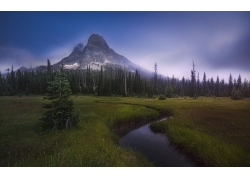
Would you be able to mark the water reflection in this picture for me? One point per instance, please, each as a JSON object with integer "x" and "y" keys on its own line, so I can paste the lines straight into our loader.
{"x": 156, "y": 147}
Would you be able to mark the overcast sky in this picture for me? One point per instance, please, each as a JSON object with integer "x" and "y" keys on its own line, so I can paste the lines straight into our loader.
{"x": 217, "y": 42}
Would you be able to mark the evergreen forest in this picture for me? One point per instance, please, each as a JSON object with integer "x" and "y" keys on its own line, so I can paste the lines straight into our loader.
{"x": 119, "y": 82}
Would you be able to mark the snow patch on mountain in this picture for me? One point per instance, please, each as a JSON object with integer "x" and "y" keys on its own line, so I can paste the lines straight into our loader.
{"x": 95, "y": 66}
{"x": 71, "y": 66}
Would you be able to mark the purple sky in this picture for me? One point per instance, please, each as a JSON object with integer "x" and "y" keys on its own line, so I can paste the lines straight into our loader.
{"x": 217, "y": 42}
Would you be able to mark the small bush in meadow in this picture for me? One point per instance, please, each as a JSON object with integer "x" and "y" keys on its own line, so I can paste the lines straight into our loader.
{"x": 162, "y": 97}
{"x": 236, "y": 95}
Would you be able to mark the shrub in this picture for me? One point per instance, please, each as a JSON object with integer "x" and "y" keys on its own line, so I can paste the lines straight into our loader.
{"x": 236, "y": 95}
{"x": 162, "y": 97}
{"x": 195, "y": 97}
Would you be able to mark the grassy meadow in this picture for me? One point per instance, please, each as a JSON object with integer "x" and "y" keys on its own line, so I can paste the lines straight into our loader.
{"x": 216, "y": 132}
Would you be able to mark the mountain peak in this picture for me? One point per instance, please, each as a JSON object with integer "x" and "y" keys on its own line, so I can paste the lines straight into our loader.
{"x": 78, "y": 48}
{"x": 97, "y": 41}
{"x": 97, "y": 54}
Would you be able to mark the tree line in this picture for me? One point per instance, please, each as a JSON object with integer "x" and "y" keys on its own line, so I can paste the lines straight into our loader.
{"x": 121, "y": 82}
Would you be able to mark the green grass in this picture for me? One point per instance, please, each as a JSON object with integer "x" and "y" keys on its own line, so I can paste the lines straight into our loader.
{"x": 214, "y": 131}
{"x": 93, "y": 143}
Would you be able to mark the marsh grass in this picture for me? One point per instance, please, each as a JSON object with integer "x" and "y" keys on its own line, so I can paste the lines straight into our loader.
{"x": 92, "y": 143}
{"x": 215, "y": 131}
{"x": 134, "y": 113}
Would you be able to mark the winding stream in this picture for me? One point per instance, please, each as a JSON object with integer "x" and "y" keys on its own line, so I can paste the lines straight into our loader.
{"x": 156, "y": 147}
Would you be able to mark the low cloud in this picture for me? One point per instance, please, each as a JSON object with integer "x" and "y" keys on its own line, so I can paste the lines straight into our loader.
{"x": 218, "y": 47}
{"x": 17, "y": 57}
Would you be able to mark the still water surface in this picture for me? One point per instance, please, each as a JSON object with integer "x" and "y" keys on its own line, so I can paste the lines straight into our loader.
{"x": 156, "y": 147}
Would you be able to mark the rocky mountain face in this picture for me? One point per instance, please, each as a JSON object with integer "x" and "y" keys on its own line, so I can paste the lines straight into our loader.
{"x": 95, "y": 54}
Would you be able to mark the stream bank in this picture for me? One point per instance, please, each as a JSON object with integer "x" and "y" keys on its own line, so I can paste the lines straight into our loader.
{"x": 155, "y": 146}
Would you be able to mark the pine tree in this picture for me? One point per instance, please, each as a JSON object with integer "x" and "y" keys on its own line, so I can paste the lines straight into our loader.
{"x": 89, "y": 81}
{"x": 137, "y": 83}
{"x": 49, "y": 70}
{"x": 100, "y": 84}
{"x": 12, "y": 82}
{"x": 183, "y": 87}
{"x": 48, "y": 66}
{"x": 155, "y": 79}
{"x": 248, "y": 89}
{"x": 217, "y": 87}
{"x": 19, "y": 82}
{"x": 198, "y": 85}
{"x": 244, "y": 88}
{"x": 230, "y": 84}
{"x": 59, "y": 114}
{"x": 173, "y": 83}
{"x": 204, "y": 84}
{"x": 125, "y": 82}
{"x": 169, "y": 90}
{"x": 130, "y": 84}
{"x": 1, "y": 84}
{"x": 212, "y": 86}
{"x": 239, "y": 83}
{"x": 193, "y": 83}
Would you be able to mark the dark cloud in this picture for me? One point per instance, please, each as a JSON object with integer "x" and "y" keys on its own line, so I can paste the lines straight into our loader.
{"x": 232, "y": 55}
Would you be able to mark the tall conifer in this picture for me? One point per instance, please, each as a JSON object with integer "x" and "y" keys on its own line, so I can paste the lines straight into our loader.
{"x": 59, "y": 114}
